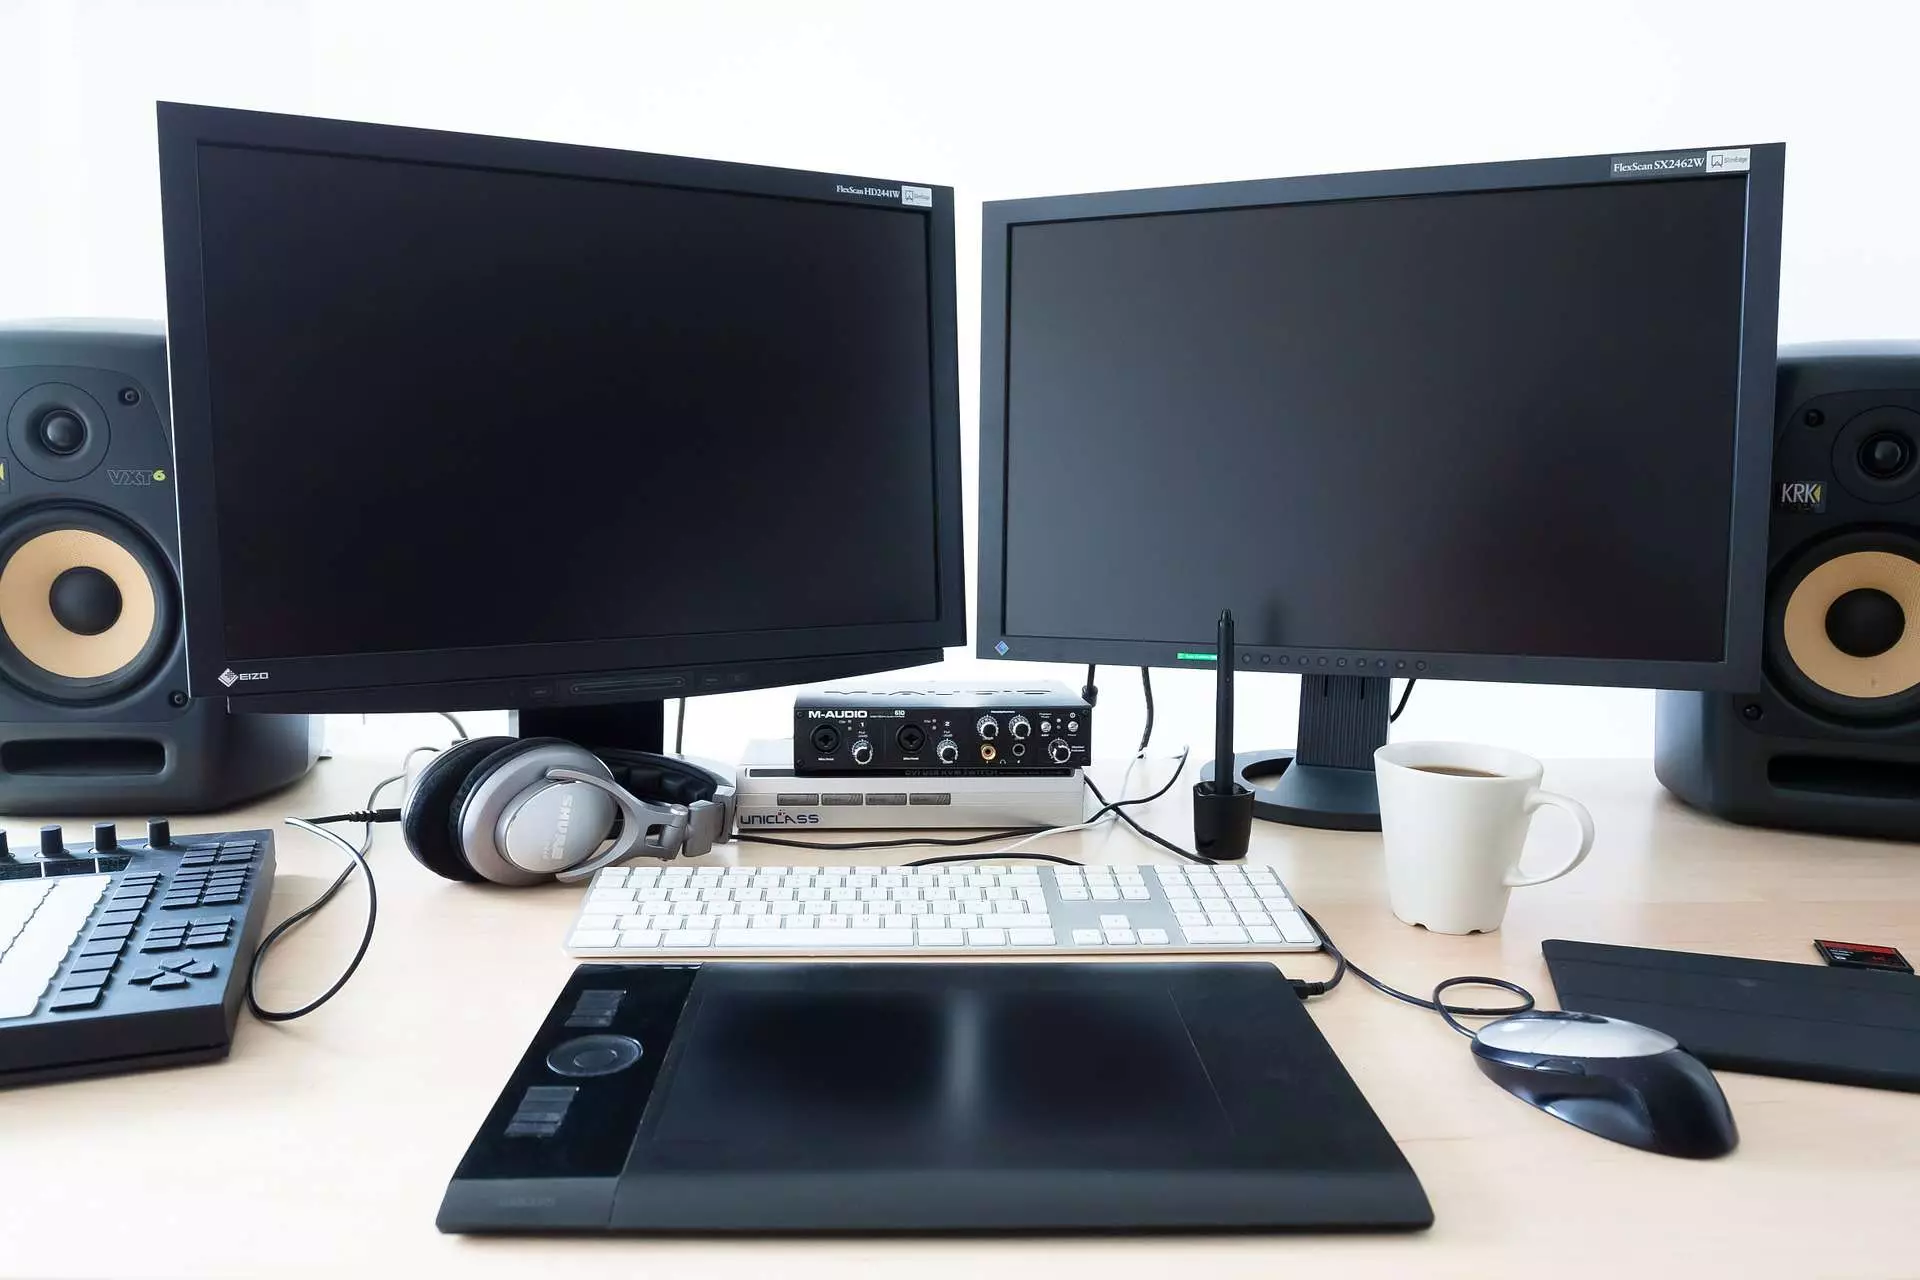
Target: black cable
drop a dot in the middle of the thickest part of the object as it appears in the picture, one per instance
(991, 857)
(906, 842)
(1114, 806)
(1146, 691)
(358, 815)
(1451, 1012)
(1120, 812)
(300, 917)
(679, 725)
(1089, 690)
(1402, 706)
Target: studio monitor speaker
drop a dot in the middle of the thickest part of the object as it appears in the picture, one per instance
(94, 714)
(1830, 741)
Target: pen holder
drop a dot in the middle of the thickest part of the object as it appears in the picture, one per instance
(1222, 820)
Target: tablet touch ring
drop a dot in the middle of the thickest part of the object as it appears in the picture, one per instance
(593, 1056)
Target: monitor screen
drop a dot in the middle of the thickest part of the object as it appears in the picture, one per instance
(1492, 422)
(453, 405)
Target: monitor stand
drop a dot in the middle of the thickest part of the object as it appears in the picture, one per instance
(1327, 781)
(629, 726)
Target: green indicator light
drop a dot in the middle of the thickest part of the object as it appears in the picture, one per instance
(1198, 657)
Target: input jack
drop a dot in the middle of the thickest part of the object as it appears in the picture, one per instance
(987, 752)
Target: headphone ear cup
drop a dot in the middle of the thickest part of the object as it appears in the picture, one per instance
(428, 819)
(489, 766)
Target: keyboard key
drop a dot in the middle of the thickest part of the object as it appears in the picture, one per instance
(1293, 928)
(1013, 921)
(1088, 938)
(775, 922)
(1212, 934)
(1119, 937)
(1104, 893)
(986, 937)
(801, 940)
(1191, 917)
(596, 939)
(1129, 877)
(942, 937)
(1135, 893)
(964, 922)
(690, 938)
(641, 938)
(1072, 895)
(1153, 937)
(1031, 937)
(1115, 922)
(1253, 918)
(1263, 933)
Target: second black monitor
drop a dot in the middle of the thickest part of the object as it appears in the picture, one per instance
(1490, 422)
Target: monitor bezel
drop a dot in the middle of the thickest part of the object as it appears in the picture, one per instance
(452, 678)
(1740, 662)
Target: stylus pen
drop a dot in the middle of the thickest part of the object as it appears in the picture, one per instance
(1223, 779)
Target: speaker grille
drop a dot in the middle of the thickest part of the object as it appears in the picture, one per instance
(119, 634)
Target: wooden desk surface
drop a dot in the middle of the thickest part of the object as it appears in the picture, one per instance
(325, 1144)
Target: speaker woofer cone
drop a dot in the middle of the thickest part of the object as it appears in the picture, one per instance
(87, 604)
(1844, 626)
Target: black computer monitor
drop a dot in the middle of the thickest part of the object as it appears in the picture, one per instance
(1487, 422)
(472, 422)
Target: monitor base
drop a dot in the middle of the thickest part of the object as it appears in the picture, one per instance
(1306, 795)
(625, 726)
(1328, 781)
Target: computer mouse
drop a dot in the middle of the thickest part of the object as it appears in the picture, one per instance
(1610, 1077)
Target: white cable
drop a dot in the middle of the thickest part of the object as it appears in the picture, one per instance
(1180, 764)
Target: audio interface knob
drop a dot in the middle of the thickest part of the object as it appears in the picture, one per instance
(863, 752)
(105, 838)
(159, 833)
(52, 843)
(948, 751)
(1019, 728)
(1058, 751)
(988, 728)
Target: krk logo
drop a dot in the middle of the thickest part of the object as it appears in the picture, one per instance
(1803, 495)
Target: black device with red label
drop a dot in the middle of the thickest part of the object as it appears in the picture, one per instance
(1861, 955)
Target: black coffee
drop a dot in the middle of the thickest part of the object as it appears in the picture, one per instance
(1455, 771)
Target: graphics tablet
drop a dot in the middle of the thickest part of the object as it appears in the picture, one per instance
(930, 1097)
(1842, 1026)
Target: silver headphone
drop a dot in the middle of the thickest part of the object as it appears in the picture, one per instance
(521, 811)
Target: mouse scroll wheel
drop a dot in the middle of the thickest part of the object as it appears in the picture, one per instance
(1561, 1066)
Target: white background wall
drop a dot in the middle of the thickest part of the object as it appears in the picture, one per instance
(1005, 99)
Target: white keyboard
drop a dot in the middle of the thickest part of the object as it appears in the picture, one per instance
(652, 912)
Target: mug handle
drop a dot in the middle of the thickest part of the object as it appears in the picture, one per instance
(1535, 801)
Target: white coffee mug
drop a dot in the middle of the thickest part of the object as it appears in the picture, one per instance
(1454, 817)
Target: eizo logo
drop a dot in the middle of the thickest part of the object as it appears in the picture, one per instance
(230, 677)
